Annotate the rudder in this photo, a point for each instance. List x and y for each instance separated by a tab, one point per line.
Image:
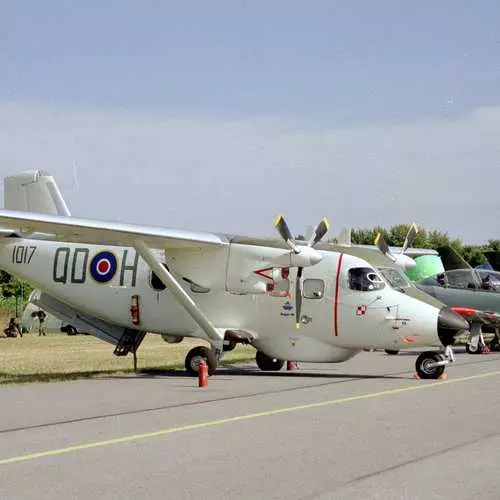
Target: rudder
34	191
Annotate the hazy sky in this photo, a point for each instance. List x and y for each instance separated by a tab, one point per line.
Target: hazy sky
218	115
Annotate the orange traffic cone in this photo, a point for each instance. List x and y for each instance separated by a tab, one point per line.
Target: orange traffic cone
202	374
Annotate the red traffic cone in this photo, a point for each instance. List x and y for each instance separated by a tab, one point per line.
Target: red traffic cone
202	374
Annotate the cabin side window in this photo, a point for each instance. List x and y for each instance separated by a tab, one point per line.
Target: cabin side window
155	282
364	279
314	288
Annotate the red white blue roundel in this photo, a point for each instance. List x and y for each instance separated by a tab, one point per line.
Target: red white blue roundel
103	266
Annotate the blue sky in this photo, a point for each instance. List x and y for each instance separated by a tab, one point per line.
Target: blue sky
228	97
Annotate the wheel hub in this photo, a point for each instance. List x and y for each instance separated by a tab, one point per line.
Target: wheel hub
195	362
427	366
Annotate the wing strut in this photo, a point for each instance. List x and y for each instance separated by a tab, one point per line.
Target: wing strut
179	293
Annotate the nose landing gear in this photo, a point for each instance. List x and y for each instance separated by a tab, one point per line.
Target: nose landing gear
431	364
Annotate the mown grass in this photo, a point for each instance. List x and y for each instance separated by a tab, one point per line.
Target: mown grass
62	357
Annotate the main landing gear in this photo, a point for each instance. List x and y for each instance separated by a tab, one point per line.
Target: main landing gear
268	364
476	343
195	355
431	364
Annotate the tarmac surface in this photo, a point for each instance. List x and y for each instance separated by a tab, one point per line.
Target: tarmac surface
361	429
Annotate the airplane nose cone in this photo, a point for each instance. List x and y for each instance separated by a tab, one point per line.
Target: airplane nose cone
450	325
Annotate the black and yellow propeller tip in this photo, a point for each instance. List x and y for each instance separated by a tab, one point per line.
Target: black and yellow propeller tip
277	220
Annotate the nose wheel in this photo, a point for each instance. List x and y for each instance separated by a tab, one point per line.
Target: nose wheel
431	364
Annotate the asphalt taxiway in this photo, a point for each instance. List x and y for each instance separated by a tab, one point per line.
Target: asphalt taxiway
361	429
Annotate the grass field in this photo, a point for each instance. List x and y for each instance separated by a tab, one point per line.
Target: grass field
61	357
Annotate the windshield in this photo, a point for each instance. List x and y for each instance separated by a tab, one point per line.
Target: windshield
364	279
395	277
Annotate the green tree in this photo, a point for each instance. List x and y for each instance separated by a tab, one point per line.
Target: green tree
10	286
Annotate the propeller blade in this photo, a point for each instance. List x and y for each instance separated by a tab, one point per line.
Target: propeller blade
384	247
285	233
410	237
321	229
298	296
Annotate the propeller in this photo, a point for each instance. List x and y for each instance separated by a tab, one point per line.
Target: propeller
410	237
400	258
304	255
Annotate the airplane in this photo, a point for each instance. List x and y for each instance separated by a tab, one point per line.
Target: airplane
118	281
472	292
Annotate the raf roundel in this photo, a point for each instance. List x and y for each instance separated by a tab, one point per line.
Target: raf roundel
103	267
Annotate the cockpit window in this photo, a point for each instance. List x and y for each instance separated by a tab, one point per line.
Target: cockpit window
364	279
469	278
395	277
490	280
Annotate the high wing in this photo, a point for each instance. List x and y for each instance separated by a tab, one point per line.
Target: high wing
142	238
75	230
411	252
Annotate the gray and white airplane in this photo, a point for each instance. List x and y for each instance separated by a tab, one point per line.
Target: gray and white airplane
302	301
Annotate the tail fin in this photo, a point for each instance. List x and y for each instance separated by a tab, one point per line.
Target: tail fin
34	191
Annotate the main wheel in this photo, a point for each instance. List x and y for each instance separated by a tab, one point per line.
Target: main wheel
392	352
264	362
424	365
195	355
69	329
473	350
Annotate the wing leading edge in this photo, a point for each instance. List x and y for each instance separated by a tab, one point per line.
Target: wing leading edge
76	230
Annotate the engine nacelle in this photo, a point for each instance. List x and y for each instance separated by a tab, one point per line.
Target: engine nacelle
404	261
306	257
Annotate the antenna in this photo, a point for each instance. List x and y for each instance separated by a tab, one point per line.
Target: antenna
75	176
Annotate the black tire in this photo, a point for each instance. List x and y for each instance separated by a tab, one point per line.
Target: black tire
392	352
194	356
69	329
265	363
470	350
423	362
230	346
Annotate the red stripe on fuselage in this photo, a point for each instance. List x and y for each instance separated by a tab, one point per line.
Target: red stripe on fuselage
336	298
